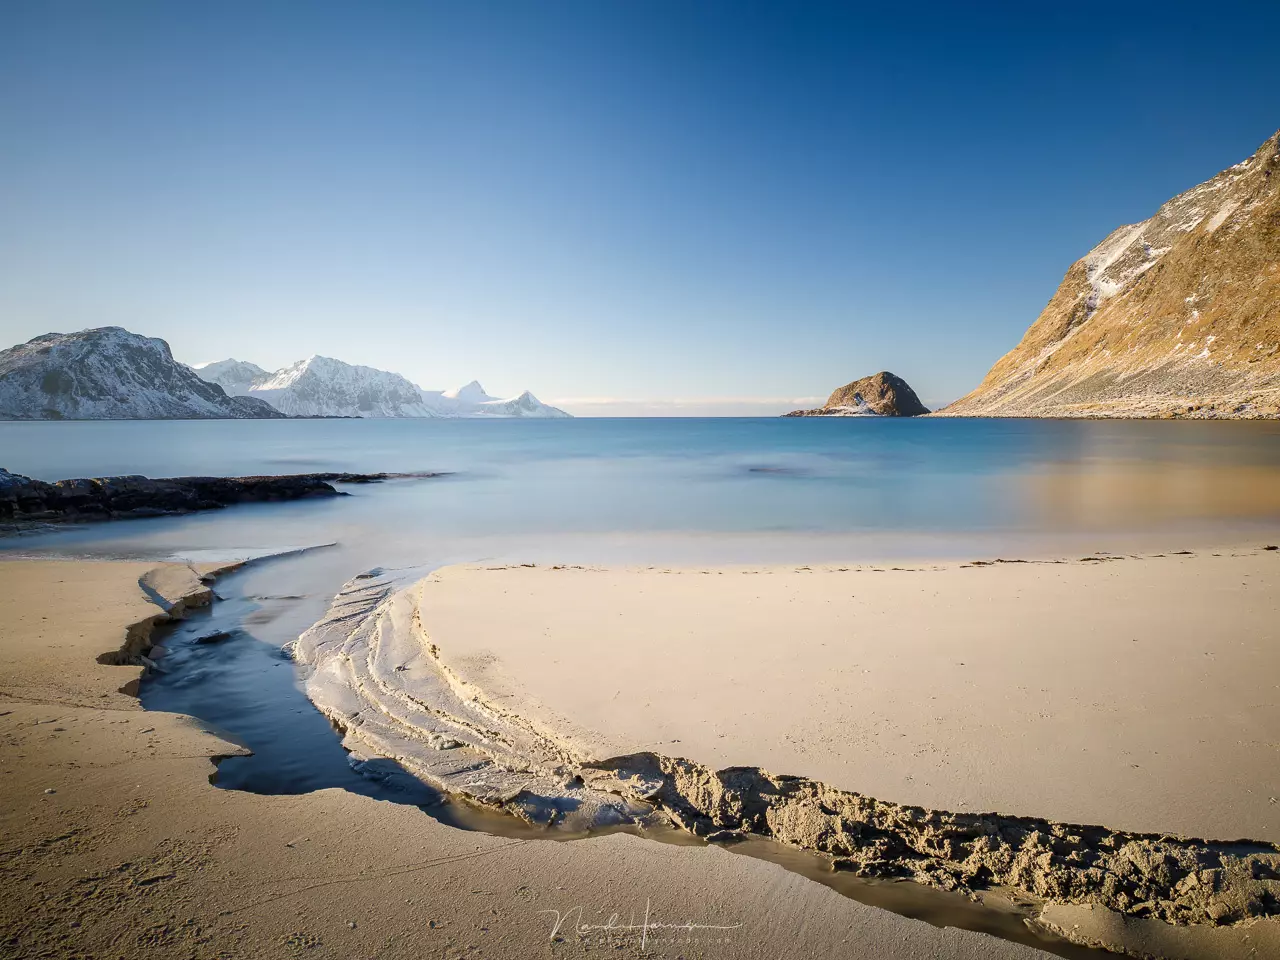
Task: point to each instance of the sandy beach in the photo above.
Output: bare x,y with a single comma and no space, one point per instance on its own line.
117,845
1138,692
1105,727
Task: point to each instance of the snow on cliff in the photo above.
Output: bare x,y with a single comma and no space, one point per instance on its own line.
323,387
472,401
471,394
1176,316
109,374
237,377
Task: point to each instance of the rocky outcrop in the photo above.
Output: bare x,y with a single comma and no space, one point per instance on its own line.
881,395
24,500
110,374
1176,316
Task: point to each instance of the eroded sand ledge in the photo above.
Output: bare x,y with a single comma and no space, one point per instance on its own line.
556,692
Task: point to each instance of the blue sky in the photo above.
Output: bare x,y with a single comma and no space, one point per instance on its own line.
690,207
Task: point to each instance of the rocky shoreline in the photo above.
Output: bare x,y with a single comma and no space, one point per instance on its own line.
28,502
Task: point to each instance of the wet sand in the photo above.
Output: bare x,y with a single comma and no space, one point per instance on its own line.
117,845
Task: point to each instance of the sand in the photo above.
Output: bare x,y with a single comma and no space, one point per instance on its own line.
1097,734
115,844
1138,693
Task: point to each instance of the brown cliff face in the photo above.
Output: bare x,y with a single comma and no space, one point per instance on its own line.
1176,316
883,395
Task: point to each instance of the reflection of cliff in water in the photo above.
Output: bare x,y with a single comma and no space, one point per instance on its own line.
1103,495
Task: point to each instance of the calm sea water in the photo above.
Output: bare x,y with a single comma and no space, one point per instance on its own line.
726,475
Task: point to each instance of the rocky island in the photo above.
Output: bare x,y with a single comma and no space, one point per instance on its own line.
880,395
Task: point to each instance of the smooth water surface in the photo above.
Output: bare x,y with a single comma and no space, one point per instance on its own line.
834,475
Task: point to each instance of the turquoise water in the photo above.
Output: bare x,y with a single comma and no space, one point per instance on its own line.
829,476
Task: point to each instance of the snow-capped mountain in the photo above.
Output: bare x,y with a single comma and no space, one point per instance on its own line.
324,387
525,405
471,394
473,401
109,373
236,377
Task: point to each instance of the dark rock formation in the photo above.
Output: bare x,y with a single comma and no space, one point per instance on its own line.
882,395
24,500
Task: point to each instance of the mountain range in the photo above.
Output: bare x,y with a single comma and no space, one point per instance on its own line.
108,373
324,387
1176,316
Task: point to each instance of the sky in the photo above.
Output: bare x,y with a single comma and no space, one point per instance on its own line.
630,208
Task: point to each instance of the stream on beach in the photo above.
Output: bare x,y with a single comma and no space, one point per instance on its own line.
619,491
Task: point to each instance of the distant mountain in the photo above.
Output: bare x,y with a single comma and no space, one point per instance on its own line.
472,394
1176,316
234,376
323,387
880,395
110,374
525,405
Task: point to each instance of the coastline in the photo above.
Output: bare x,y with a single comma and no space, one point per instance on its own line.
117,844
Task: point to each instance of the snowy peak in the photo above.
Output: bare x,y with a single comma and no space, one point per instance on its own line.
525,405
236,377
108,373
325,387
471,393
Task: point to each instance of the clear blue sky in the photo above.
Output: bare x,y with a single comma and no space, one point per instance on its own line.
644,201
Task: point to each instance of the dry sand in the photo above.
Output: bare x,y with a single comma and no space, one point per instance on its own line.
115,844
1138,693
